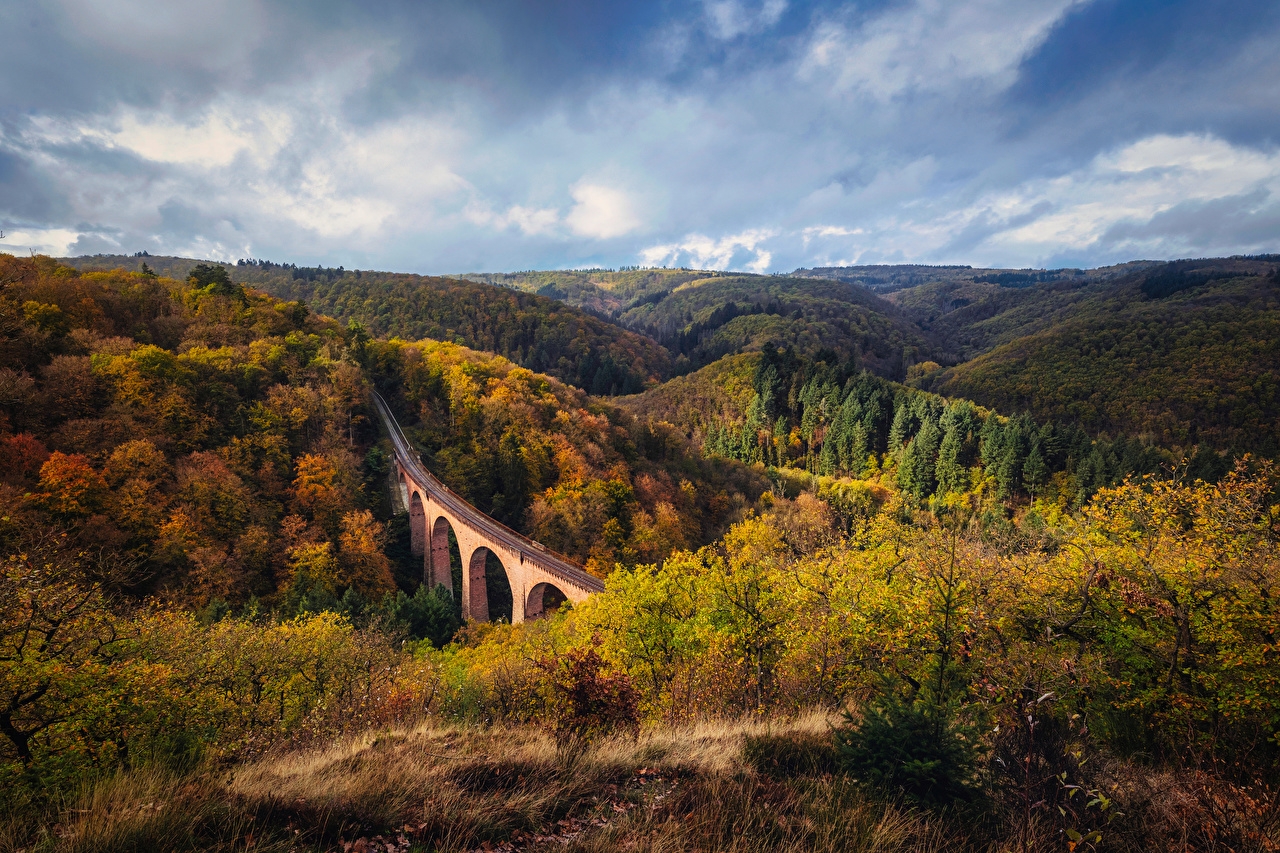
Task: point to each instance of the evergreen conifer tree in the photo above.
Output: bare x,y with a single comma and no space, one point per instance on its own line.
926,443
1035,473
858,448
950,471
901,429
992,437
828,461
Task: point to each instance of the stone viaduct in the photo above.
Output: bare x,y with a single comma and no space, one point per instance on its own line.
531,568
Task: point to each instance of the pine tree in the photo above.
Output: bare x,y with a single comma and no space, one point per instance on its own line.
856,457
828,461
1035,473
781,438
950,471
927,443
901,429
876,413
756,412
1009,472
993,443
907,469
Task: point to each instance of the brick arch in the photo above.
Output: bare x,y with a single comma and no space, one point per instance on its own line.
535,607
478,587
417,524
435,510
437,568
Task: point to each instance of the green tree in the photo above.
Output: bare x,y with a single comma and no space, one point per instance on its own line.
430,614
214,280
1035,473
902,426
829,460
950,473
924,463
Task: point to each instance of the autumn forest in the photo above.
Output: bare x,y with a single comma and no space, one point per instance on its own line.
895,558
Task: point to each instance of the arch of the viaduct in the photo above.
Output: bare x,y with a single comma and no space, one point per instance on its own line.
531,569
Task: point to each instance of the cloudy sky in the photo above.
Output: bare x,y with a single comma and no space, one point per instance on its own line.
493,135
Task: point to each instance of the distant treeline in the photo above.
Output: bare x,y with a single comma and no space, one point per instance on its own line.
1184,354
1180,275
1024,279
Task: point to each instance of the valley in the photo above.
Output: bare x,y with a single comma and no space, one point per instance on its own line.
825,509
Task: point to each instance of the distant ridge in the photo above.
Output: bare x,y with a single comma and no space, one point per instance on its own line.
1184,352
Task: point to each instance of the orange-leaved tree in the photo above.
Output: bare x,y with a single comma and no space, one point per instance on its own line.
70,487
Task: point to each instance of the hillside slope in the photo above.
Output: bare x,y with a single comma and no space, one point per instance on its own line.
1186,354
219,441
532,331
702,316
717,394
1182,353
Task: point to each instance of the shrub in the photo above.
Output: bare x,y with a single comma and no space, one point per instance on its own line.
595,704
916,747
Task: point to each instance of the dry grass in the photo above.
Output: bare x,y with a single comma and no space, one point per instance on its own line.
464,787
737,786
146,810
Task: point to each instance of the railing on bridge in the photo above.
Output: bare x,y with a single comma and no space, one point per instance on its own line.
554,562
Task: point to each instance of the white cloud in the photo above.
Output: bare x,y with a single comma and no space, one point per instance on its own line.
904,145
202,247
1131,184
1156,197
702,252
602,212
826,232
42,241
213,139
530,220
930,45
280,166
728,19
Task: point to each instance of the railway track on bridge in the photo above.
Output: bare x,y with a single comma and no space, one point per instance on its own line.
537,553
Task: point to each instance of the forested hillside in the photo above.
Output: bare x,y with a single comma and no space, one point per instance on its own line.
718,393
535,332
968,318
204,440
578,475
831,419
1187,354
605,292
709,318
1182,353
218,441
887,278
195,517
701,316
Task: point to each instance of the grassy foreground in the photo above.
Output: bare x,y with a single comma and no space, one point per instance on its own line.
724,786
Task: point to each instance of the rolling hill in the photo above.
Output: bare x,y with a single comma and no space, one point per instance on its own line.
1180,353
1200,364
533,331
703,316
